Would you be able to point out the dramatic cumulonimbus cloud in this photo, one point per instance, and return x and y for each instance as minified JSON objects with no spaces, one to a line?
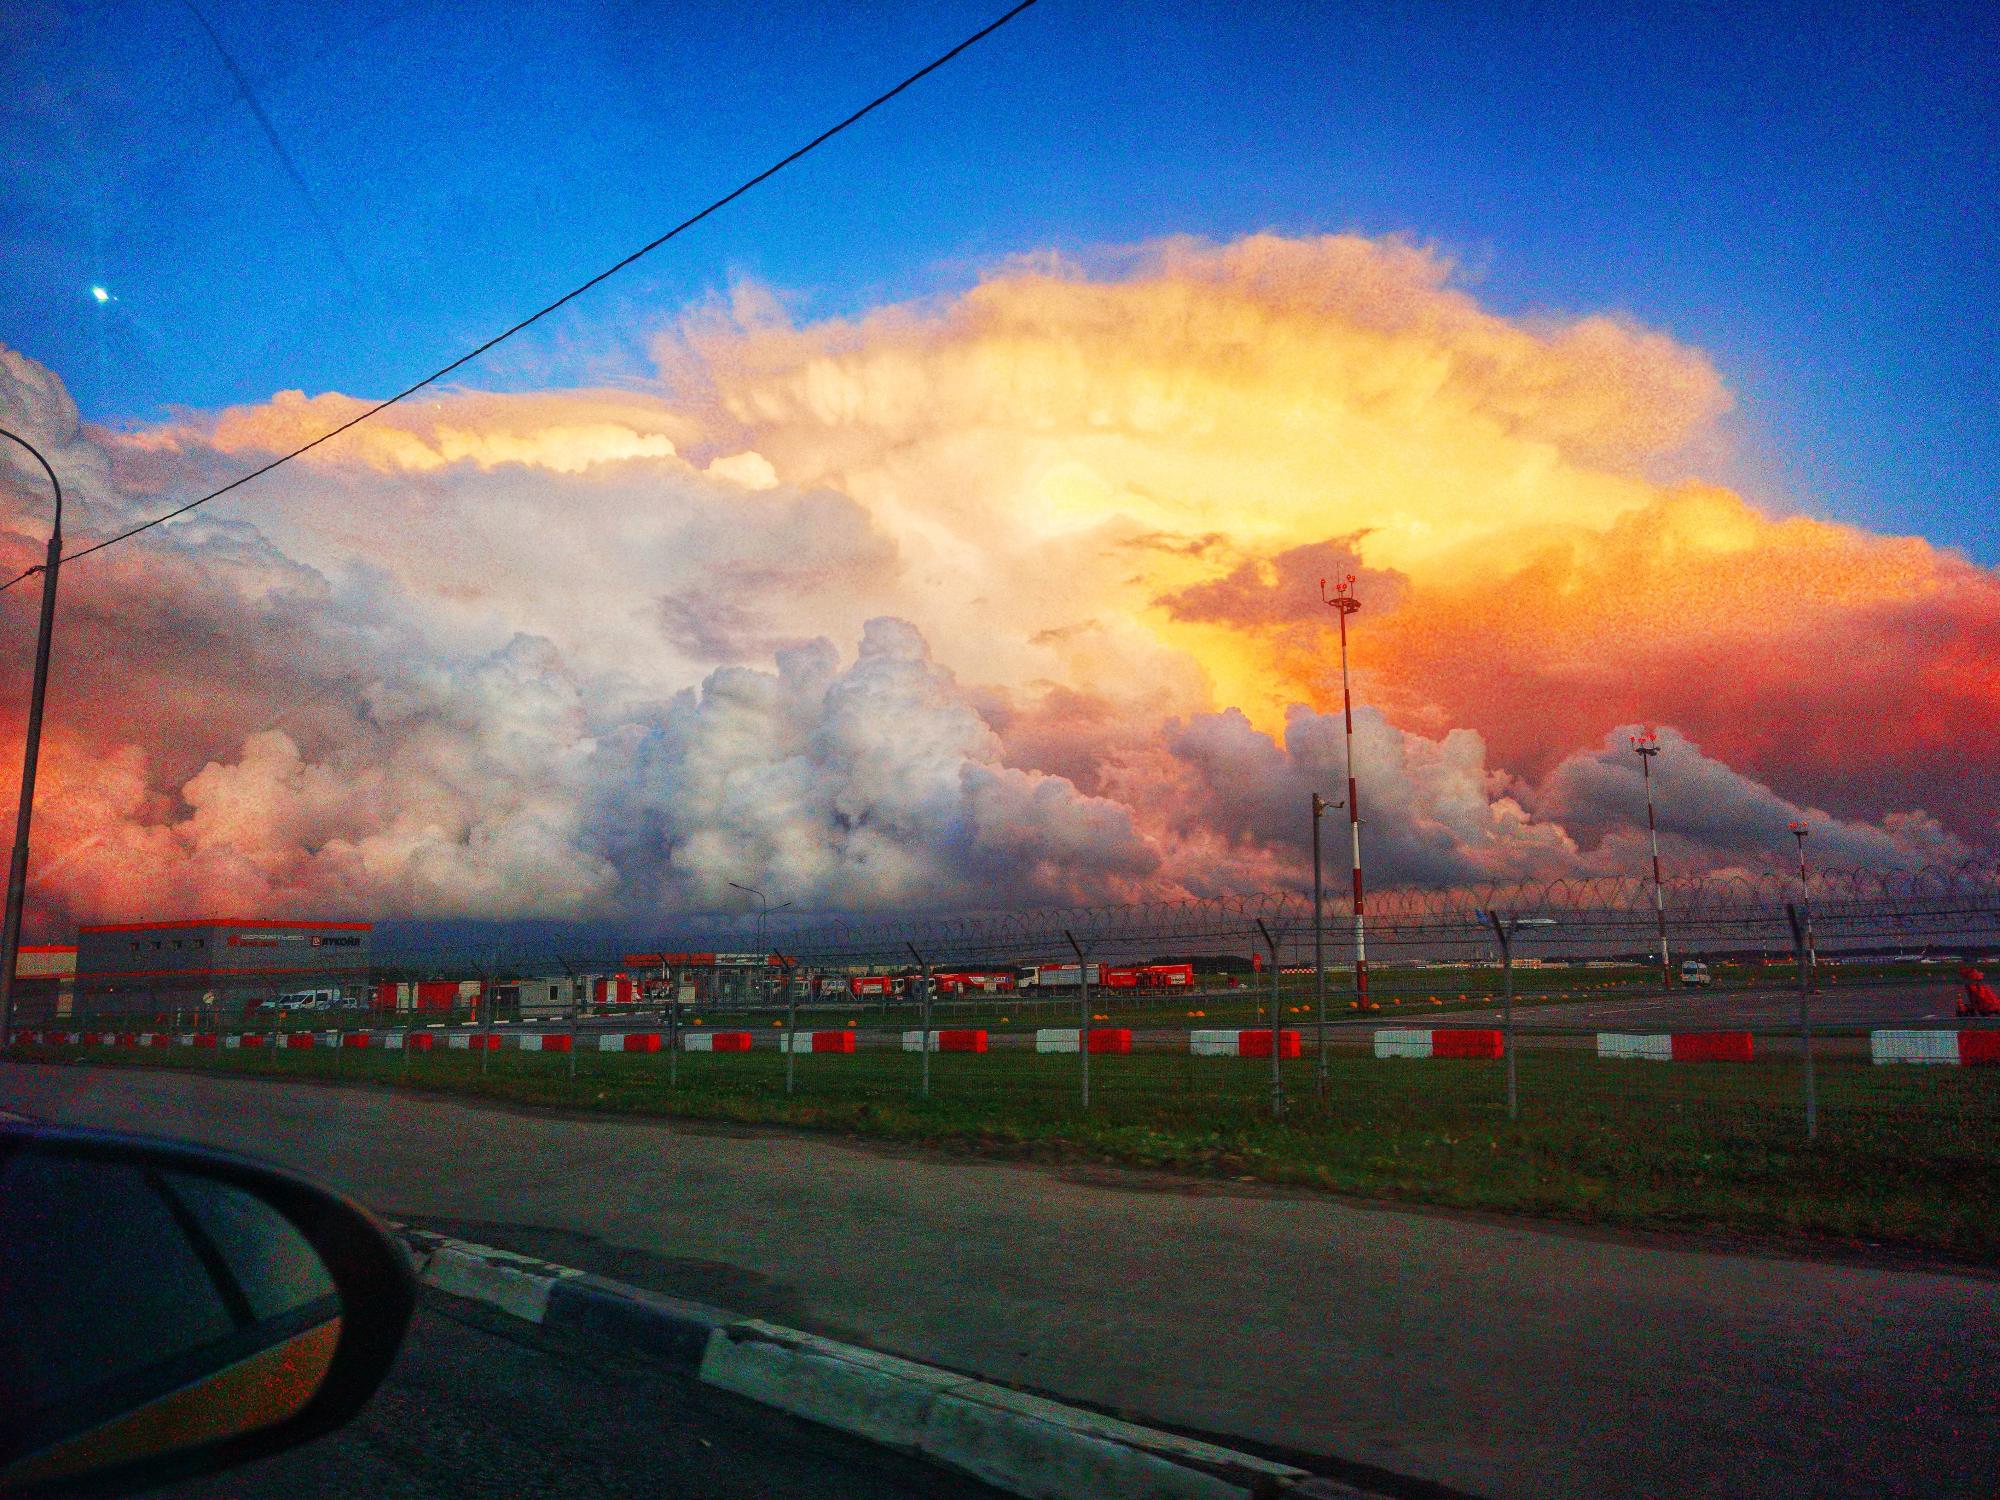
{"x":1009,"y":596}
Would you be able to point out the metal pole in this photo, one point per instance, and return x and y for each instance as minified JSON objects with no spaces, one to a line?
{"x":17,"y":869}
{"x":791,"y":1023}
{"x":1277,"y":1031}
{"x":1345,"y":604}
{"x":924,"y":1002}
{"x":1647,"y":746}
{"x":1083,"y":1022}
{"x":1799,"y":832}
{"x":1805,"y":1019}
{"x":674,"y":1039}
{"x":1504,"y":930}
{"x":1319,"y":806}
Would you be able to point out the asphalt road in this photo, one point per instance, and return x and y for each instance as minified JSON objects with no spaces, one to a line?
{"x":1496,"y":1357}
{"x":480,"y":1404}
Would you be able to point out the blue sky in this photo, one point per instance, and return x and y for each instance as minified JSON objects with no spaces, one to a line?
{"x":1809,"y":194}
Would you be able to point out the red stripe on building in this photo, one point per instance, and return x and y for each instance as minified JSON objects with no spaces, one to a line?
{"x":210,"y":973}
{"x":230,"y":922}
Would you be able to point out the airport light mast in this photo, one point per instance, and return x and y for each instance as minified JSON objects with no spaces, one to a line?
{"x":1343,"y":603}
{"x":1648,"y":745}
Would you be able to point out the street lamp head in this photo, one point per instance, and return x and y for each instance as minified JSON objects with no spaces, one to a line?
{"x":1647,"y":742}
{"x":1799,"y":830}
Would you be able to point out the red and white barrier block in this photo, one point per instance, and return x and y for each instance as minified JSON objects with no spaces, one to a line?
{"x":816,"y":1041}
{"x":1113,"y":1039}
{"x":948,"y":1040}
{"x":1969,"y":1049}
{"x":629,"y":1041}
{"x":474,"y":1041}
{"x":547,"y":1041}
{"x":1675,"y":1046}
{"x":1440,"y":1041}
{"x":715,"y":1041}
{"x":1250,"y":1043}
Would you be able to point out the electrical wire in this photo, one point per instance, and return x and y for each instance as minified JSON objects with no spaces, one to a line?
{"x":567,"y":297}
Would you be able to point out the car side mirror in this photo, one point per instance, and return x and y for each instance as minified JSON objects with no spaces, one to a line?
{"x":168,"y":1311}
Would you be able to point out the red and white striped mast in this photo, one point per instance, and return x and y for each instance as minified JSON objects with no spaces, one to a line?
{"x":1647,"y":746}
{"x":1343,"y":603}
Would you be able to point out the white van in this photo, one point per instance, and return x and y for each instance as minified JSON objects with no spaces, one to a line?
{"x":1695,"y":975}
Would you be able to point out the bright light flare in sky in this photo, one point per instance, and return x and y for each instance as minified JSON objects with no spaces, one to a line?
{"x":100,"y":294}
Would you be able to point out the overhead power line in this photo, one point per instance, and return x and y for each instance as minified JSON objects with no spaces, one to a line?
{"x":567,"y":297}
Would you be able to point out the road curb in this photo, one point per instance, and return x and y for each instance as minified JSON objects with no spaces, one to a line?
{"x":1023,"y":1444}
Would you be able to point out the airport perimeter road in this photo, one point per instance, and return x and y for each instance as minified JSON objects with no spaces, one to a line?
{"x":1499,"y":1358}
{"x":481,"y":1405}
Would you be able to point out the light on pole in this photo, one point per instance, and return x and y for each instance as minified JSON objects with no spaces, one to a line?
{"x":1800,"y":831}
{"x":17,"y":869}
{"x":1343,"y":603}
{"x":1648,"y":745}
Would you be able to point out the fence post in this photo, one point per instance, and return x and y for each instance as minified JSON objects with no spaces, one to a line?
{"x":1277,"y":1050}
{"x":791,"y":1024}
{"x":1504,"y":931}
{"x":1801,"y":948}
{"x":924,"y":1002}
{"x":674,"y":1039}
{"x":1083,"y":1021}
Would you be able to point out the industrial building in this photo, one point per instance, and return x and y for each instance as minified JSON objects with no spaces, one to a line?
{"x":218,"y":965}
{"x":707,"y":978}
{"x":45,"y":982}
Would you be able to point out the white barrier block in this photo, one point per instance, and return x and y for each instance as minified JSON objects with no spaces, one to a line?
{"x":1058,"y":1038}
{"x":697,"y":1041}
{"x":461,"y":1040}
{"x":612,"y":1041}
{"x":1402,"y":1041}
{"x":1913,"y":1046}
{"x":391,"y":1040}
{"x":1653,"y":1047}
{"x":232,"y":1041}
{"x":913,"y":1041}
{"x":1215,"y":1044}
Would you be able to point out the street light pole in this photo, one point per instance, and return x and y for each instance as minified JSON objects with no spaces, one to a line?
{"x":764,"y":911}
{"x":1647,"y":746}
{"x":17,"y":869}
{"x":1343,"y":603}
